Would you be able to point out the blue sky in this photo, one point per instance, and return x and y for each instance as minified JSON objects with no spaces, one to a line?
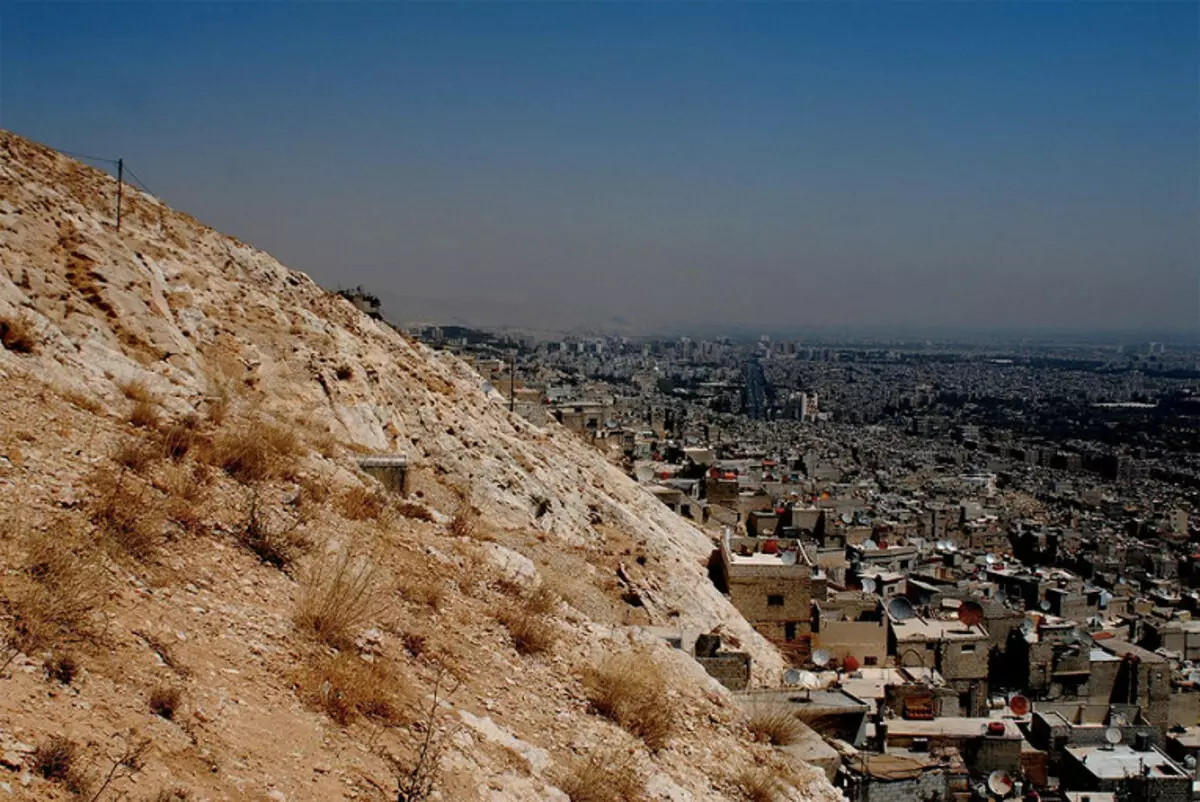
{"x":1007,"y":164}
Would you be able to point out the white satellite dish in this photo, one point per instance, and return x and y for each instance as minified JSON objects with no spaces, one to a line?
{"x":1190,"y":762}
{"x":870,"y":545}
{"x":1000,"y":783}
{"x":820,"y":658}
{"x":788,"y":558}
{"x":990,"y":559}
{"x":1112,"y":736}
{"x":868,"y":585}
{"x":791,"y":676}
{"x":1026,"y":627}
{"x":1045,"y":605}
{"x":809,"y":681}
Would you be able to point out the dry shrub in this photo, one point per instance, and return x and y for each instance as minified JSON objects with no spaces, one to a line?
{"x":529,"y":632}
{"x":255,"y":451}
{"x":134,"y":454}
{"x":607,"y":776}
{"x":178,"y":438}
{"x":144,"y":415}
{"x":423,"y":589}
{"x":417,"y":512}
{"x":463,"y":524}
{"x":273,"y":540}
{"x":415,"y":643}
{"x":176,"y":793}
{"x":187,"y":494}
{"x":165,"y":701}
{"x":361,"y":504}
{"x":776,"y":726}
{"x":17,"y":334}
{"x":542,"y":600}
{"x":55,"y":759}
{"x":762,"y":784}
{"x":127,"y":513}
{"x":345,"y":687}
{"x":82,"y":401}
{"x":57,"y":589}
{"x":61,"y":667}
{"x":138,"y":392}
{"x":631,"y":690}
{"x":339,"y":595}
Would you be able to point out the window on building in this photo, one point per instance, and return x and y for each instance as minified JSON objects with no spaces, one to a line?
{"x":789,"y":631}
{"x":870,"y":660}
{"x":930,"y":646}
{"x":968,"y":648}
{"x":774,"y":600}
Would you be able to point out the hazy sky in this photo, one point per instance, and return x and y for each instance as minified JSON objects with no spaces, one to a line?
{"x":660,"y":165}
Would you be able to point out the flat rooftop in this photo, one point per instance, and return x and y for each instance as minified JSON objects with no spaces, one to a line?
{"x":948,"y":727}
{"x":875,"y":680}
{"x":935,"y":629}
{"x":1121,"y":761}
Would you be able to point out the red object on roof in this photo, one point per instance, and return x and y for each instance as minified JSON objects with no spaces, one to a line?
{"x":995,"y":728}
{"x":1101,"y":635}
{"x":851,"y":663}
{"x":770,"y":547}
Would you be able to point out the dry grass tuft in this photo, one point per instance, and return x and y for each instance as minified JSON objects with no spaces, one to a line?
{"x":275,"y":542}
{"x":134,"y":454}
{"x":55,"y":759}
{"x":426,"y":589}
{"x":361,"y":504}
{"x":542,"y":600}
{"x":82,"y":401}
{"x":345,"y":687}
{"x":253,"y":452}
{"x":165,"y":701}
{"x":138,"y":392}
{"x":18,"y":335}
{"x":529,"y":632}
{"x":340,"y":594}
{"x":631,"y":690}
{"x":187,"y":495}
{"x":775,"y":726}
{"x":57,"y":589}
{"x":61,"y":667}
{"x":178,"y":438}
{"x":176,"y":793}
{"x":762,"y":784}
{"x":128,"y":514}
{"x":144,"y":415}
{"x":607,"y":776}
{"x":416,"y":512}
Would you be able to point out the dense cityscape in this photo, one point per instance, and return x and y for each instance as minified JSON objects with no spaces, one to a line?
{"x":977,"y":556}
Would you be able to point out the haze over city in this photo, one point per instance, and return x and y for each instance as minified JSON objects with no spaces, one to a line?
{"x":648,"y":167}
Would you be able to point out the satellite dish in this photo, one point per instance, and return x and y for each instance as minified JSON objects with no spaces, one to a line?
{"x":791,"y":677}
{"x":787,"y":557}
{"x":1027,"y":627}
{"x":809,"y":681}
{"x":1190,"y":762}
{"x":1045,"y":605}
{"x":901,"y":609}
{"x":1000,"y":783}
{"x":868,"y":585}
{"x":870,"y":545}
{"x":970,"y":613}
{"x":1112,"y":736}
{"x":820,"y":658}
{"x":1019,"y":705}
{"x":990,"y":559}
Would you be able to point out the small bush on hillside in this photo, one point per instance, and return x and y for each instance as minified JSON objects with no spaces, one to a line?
{"x":416,"y":512}
{"x":60,"y":667}
{"x":138,"y":391}
{"x":56,"y":759}
{"x":165,"y":701}
{"x":144,"y":415}
{"x":361,"y":504}
{"x":340,"y":594}
{"x":529,"y":632}
{"x":607,"y":776}
{"x":542,"y":600}
{"x":128,"y":513}
{"x":177,"y":439}
{"x":56,"y":591}
{"x":775,"y":726}
{"x":345,"y":687}
{"x":17,"y":334}
{"x":276,"y":543}
{"x":253,"y":452}
{"x":177,"y":793}
{"x":762,"y":784}
{"x":133,"y":454}
{"x":631,"y":690}
{"x":423,"y":589}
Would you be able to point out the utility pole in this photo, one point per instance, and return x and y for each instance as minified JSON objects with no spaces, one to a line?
{"x":120,"y":181}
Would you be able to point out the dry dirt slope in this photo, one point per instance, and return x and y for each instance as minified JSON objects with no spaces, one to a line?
{"x":179,"y":421}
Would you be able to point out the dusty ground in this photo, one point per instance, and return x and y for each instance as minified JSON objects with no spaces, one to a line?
{"x":117,"y":350}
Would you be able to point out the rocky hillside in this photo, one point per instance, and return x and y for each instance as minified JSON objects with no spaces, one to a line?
{"x":204,"y":598}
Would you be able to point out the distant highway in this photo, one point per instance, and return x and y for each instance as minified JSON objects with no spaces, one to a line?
{"x":755,"y":389}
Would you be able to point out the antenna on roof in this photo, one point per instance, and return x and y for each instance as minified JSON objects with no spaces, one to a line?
{"x":868,"y":585}
{"x":820,"y":658}
{"x":1112,"y":736}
